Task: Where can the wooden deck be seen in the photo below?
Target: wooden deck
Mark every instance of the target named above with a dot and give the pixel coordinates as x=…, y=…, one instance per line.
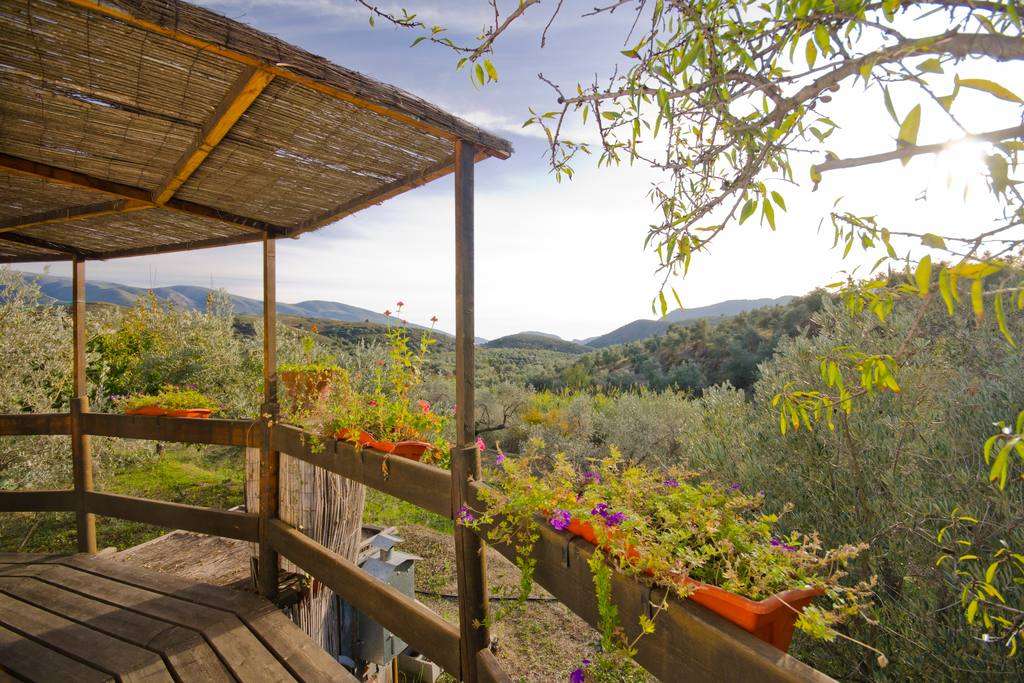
x=87, y=618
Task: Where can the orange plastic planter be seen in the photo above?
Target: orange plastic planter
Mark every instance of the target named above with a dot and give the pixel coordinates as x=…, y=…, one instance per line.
x=355, y=436
x=157, y=411
x=413, y=450
x=772, y=619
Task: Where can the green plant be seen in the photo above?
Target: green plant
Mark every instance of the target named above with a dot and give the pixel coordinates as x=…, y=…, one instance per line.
x=382, y=404
x=667, y=528
x=170, y=398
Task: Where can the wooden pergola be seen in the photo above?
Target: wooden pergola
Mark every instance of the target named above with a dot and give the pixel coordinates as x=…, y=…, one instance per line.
x=132, y=127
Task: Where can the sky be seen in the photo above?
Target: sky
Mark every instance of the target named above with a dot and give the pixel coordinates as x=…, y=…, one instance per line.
x=561, y=258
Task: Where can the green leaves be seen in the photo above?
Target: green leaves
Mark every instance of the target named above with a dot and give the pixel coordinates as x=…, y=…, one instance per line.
x=932, y=66
x=811, y=53
x=923, y=276
x=991, y=87
x=910, y=126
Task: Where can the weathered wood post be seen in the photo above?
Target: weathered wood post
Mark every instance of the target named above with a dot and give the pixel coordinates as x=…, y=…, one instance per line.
x=270, y=411
x=81, y=454
x=469, y=550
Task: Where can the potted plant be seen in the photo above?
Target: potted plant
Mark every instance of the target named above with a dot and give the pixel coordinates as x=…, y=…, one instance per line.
x=309, y=381
x=378, y=409
x=171, y=402
x=706, y=542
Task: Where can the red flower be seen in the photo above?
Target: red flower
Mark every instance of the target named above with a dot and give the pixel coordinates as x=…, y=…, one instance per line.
x=373, y=404
x=424, y=405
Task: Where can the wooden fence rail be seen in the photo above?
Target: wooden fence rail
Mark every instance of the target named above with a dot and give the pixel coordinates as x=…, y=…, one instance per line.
x=397, y=612
x=689, y=641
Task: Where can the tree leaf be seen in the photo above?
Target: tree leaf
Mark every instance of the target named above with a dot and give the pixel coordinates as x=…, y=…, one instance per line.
x=932, y=66
x=748, y=209
x=932, y=240
x=910, y=126
x=997, y=305
x=923, y=275
x=811, y=53
x=992, y=88
x=977, y=303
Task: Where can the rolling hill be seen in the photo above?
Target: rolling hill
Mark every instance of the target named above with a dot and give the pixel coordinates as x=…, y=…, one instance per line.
x=536, y=340
x=643, y=328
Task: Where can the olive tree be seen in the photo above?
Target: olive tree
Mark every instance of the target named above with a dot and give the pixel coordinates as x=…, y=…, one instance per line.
x=730, y=103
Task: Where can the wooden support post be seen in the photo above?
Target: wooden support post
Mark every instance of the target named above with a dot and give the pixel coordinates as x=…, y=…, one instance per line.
x=469, y=550
x=270, y=459
x=81, y=454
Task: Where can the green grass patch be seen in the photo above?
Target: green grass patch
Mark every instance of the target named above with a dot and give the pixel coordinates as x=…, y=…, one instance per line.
x=387, y=510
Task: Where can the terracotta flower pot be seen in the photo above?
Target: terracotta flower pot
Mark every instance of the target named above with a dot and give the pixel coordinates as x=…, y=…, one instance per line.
x=382, y=446
x=157, y=411
x=413, y=450
x=772, y=619
x=357, y=436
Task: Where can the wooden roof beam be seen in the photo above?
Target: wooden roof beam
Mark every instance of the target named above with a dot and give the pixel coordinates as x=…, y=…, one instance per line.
x=409, y=182
x=35, y=169
x=47, y=244
x=236, y=101
x=72, y=213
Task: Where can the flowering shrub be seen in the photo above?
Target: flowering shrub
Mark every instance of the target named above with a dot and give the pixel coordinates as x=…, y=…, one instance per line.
x=169, y=398
x=384, y=405
x=669, y=528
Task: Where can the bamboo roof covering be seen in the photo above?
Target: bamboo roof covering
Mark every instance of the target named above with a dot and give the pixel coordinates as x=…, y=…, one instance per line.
x=133, y=127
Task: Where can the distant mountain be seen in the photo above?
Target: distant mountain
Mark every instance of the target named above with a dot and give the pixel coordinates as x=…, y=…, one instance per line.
x=58, y=289
x=536, y=340
x=644, y=329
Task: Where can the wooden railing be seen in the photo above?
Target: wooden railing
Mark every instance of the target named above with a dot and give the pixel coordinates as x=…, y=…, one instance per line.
x=688, y=642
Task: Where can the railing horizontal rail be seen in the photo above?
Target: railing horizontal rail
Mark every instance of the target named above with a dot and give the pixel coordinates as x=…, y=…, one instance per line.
x=241, y=525
x=32, y=424
x=422, y=485
x=488, y=668
x=176, y=429
x=395, y=611
x=37, y=501
x=688, y=641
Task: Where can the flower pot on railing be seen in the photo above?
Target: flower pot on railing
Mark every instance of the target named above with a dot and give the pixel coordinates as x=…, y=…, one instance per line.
x=157, y=411
x=355, y=436
x=307, y=386
x=772, y=619
x=412, y=450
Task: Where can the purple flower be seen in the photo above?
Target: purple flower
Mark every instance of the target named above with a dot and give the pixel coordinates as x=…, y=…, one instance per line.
x=735, y=487
x=592, y=477
x=601, y=510
x=578, y=674
x=672, y=483
x=778, y=543
x=560, y=520
x=501, y=457
x=464, y=516
x=615, y=519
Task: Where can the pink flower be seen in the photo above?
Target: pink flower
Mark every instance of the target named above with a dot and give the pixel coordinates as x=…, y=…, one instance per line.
x=433, y=318
x=373, y=404
x=387, y=312
x=480, y=445
x=424, y=405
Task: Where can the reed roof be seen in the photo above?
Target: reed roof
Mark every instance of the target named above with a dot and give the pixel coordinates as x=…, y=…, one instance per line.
x=143, y=126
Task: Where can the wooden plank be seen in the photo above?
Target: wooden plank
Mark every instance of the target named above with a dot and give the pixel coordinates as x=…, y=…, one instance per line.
x=498, y=147
x=31, y=661
x=31, y=424
x=97, y=210
x=293, y=648
x=175, y=429
x=423, y=485
x=126, y=661
x=488, y=668
x=185, y=651
x=226, y=523
x=470, y=558
x=687, y=637
x=81, y=451
x=246, y=88
x=409, y=620
x=38, y=501
x=243, y=654
x=35, y=169
x=269, y=564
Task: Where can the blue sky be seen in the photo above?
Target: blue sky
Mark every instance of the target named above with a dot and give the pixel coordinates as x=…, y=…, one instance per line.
x=561, y=258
